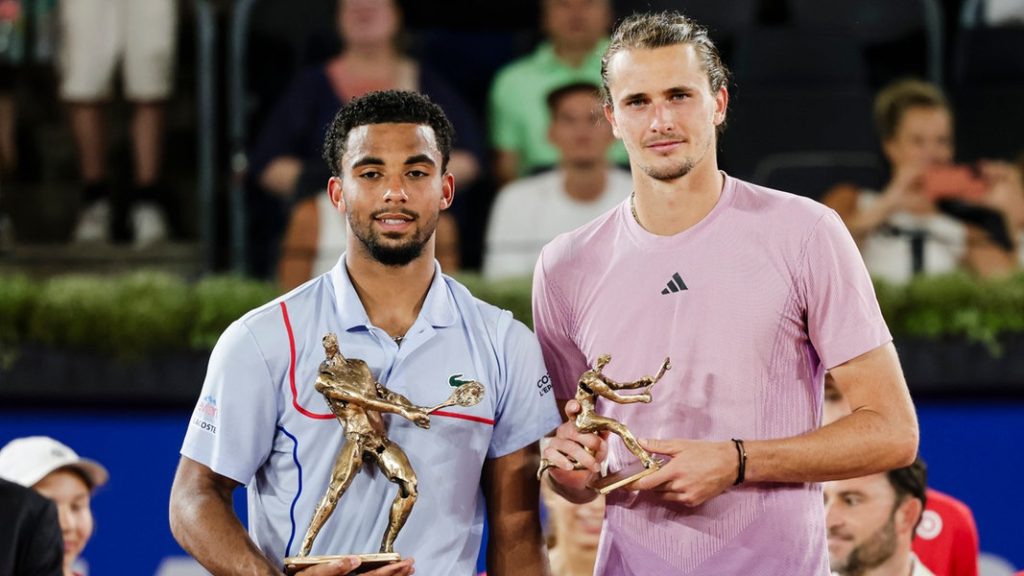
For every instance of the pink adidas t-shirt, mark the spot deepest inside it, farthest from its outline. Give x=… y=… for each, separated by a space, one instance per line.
x=752 y=304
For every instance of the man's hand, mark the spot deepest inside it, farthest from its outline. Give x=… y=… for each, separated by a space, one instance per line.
x=347 y=565
x=570 y=448
x=698 y=471
x=417 y=416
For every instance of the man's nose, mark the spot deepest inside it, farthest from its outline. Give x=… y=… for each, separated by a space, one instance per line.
x=661 y=119
x=395 y=191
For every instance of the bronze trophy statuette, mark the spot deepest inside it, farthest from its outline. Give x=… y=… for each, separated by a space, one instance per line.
x=594 y=383
x=359 y=400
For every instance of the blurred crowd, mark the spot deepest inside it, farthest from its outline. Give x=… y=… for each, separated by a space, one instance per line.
x=897 y=115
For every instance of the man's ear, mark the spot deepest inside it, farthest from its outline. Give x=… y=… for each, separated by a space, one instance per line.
x=447 y=190
x=721 y=105
x=609 y=114
x=336 y=194
x=908 y=513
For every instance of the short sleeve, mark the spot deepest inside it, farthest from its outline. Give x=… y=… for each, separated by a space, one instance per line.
x=526 y=408
x=553 y=322
x=843 y=316
x=232 y=428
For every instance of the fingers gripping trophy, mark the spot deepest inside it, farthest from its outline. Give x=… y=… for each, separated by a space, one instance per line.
x=359 y=402
x=593 y=384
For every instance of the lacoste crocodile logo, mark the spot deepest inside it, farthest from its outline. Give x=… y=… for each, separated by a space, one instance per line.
x=455 y=380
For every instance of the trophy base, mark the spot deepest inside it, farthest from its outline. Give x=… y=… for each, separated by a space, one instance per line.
x=294 y=564
x=620 y=478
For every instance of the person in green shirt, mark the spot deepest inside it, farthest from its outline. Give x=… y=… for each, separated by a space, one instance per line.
x=576 y=33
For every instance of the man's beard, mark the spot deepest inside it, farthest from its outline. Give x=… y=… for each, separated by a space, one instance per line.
x=390 y=254
x=671 y=172
x=874 y=551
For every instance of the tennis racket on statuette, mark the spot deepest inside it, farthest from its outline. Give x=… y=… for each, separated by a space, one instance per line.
x=466 y=395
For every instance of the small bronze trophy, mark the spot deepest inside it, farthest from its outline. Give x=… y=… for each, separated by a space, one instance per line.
x=594 y=383
x=359 y=400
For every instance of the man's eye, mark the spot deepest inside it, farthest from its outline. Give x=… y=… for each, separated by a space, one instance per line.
x=678 y=97
x=370 y=175
x=417 y=173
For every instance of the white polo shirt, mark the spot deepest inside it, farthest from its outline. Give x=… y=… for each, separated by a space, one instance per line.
x=260 y=421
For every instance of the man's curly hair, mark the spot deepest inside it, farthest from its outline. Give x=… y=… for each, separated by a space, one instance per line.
x=387 y=107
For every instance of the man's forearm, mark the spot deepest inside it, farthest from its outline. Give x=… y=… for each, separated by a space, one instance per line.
x=519 y=548
x=859 y=444
x=204 y=523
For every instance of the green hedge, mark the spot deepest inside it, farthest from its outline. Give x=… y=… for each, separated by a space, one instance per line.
x=143 y=312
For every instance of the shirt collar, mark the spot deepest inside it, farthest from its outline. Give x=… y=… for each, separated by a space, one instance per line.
x=438 y=309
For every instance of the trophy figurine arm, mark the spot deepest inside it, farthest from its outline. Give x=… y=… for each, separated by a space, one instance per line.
x=348 y=394
x=645 y=382
x=623 y=399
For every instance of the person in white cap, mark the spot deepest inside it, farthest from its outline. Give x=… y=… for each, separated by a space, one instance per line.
x=58 y=473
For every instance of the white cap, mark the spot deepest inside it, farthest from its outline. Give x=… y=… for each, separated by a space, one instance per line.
x=28 y=460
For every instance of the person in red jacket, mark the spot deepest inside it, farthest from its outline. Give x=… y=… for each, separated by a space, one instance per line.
x=947 y=538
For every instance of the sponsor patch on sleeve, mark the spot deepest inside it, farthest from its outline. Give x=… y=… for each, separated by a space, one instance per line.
x=206 y=415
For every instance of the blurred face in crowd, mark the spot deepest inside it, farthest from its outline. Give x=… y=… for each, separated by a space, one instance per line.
x=923 y=137
x=866 y=523
x=835 y=406
x=363 y=22
x=663 y=109
x=71 y=494
x=576 y=24
x=392 y=188
x=579 y=130
x=576 y=529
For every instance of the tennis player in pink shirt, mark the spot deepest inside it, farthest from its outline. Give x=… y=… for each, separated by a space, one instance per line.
x=753 y=294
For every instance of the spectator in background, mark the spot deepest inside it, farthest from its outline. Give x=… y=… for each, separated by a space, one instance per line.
x=573 y=533
x=903 y=231
x=12 y=23
x=871 y=522
x=286 y=160
x=30 y=541
x=531 y=211
x=576 y=38
x=947 y=538
x=98 y=35
x=57 y=472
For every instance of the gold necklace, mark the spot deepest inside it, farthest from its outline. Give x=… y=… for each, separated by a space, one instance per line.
x=632 y=206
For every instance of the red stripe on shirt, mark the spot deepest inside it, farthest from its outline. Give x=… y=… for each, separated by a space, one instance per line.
x=314 y=415
x=291 y=370
x=464 y=417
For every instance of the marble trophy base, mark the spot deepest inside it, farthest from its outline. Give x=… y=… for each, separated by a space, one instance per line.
x=624 y=476
x=294 y=564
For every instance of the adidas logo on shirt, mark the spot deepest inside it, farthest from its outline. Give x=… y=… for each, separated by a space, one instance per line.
x=674 y=285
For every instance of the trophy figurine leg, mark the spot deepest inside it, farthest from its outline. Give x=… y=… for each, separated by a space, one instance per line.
x=633 y=444
x=593 y=423
x=345 y=468
x=397 y=468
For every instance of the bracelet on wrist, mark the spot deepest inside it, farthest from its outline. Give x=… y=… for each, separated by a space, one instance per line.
x=741 y=454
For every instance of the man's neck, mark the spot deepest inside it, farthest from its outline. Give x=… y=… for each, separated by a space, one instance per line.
x=391 y=295
x=585 y=183
x=573 y=56
x=372 y=58
x=666 y=208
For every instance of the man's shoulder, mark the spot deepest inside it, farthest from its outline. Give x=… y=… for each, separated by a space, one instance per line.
x=949 y=507
x=530 y=188
x=524 y=68
x=307 y=296
x=571 y=250
x=797 y=212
